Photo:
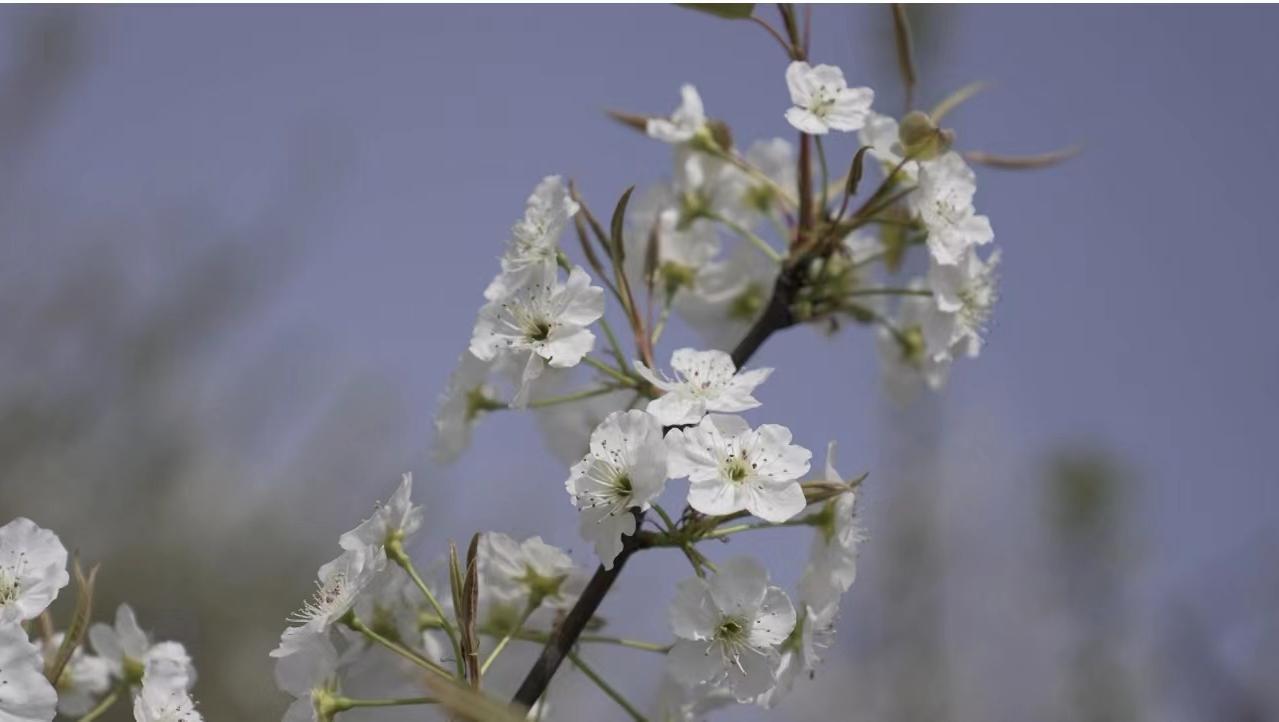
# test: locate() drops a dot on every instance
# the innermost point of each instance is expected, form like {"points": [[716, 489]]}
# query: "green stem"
{"points": [[606, 688], [613, 345], [758, 175], [575, 396], [621, 377], [506, 638], [629, 643], [662, 318], [666, 518], [354, 623], [345, 703], [889, 292], [749, 235], [725, 531], [821, 160], [395, 550], [104, 705]]}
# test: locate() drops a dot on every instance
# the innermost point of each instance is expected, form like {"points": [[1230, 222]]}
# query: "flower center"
{"points": [[9, 588], [823, 102], [539, 330], [328, 597], [736, 470], [730, 630]]}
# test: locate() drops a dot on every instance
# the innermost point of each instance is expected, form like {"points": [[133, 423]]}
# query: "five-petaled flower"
{"points": [[704, 381], [823, 101]]}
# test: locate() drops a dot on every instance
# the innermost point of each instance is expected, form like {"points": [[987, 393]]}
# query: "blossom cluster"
{"points": [[55, 672]]}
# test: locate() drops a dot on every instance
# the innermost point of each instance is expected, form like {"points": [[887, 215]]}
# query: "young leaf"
{"points": [[616, 226], [79, 621], [1022, 162], [728, 11], [855, 171], [630, 120], [905, 51], [471, 598]]}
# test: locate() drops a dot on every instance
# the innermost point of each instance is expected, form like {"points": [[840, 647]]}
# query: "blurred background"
{"points": [[243, 248]]}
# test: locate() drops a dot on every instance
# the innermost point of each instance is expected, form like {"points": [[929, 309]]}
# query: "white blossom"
{"points": [[800, 653], [775, 159], [25, 694], [130, 654], [944, 201], [832, 559], [160, 701], [395, 520], [625, 469], [728, 295], [534, 240], [33, 569], [733, 467], [85, 677], [543, 318], [965, 295], [465, 399], [704, 381], [309, 675], [686, 122], [530, 571], [823, 101], [882, 134], [905, 359], [684, 245], [339, 583], [728, 629]]}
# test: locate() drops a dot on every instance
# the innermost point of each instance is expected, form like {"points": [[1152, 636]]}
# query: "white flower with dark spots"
{"points": [[733, 467], [823, 101], [832, 560], [33, 569], [965, 296], [800, 653], [534, 241], [704, 381], [728, 629], [687, 121], [624, 470], [394, 521], [339, 583], [542, 318], [25, 694], [159, 701], [944, 201]]}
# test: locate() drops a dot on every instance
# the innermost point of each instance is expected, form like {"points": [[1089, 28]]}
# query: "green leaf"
{"points": [[728, 11], [855, 171], [616, 225]]}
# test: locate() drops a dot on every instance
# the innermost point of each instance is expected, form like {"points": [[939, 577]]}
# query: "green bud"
{"points": [[921, 138]]}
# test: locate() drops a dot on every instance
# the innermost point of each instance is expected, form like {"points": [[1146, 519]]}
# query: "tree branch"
{"points": [[777, 315]]}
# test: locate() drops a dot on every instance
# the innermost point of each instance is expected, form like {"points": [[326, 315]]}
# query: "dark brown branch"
{"points": [[777, 315]]}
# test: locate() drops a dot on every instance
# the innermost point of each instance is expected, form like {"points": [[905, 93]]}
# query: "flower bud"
{"points": [[921, 138]]}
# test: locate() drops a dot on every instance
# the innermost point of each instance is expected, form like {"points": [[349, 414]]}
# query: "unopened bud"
{"points": [[921, 138]]}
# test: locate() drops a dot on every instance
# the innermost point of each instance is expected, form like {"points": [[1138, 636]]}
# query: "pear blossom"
{"points": [[687, 121], [466, 398], [832, 560], [709, 188], [393, 521], [823, 101], [625, 469], [677, 702], [704, 381], [906, 362], [85, 677], [530, 571], [130, 654], [339, 584], [800, 653], [33, 569], [566, 428], [733, 467], [944, 201], [728, 629], [543, 318], [882, 134], [534, 240], [965, 296], [728, 295], [160, 701], [775, 159], [25, 694], [310, 675]]}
